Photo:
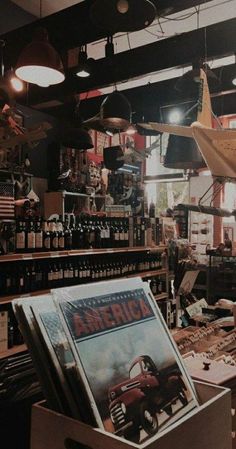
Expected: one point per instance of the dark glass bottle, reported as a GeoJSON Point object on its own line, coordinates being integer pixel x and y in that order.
{"type": "Point", "coordinates": [30, 236]}
{"type": "Point", "coordinates": [46, 236]}
{"type": "Point", "coordinates": [67, 235]}
{"type": "Point", "coordinates": [38, 236]}
{"type": "Point", "coordinates": [20, 244]}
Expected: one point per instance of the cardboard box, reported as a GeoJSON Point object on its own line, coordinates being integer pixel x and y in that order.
{"type": "Point", "coordinates": [206, 427]}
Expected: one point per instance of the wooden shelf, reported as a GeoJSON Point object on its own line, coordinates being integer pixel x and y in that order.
{"type": "Point", "coordinates": [142, 274]}
{"type": "Point", "coordinates": [15, 350]}
{"type": "Point", "coordinates": [74, 252]}
{"type": "Point", "coordinates": [145, 274]}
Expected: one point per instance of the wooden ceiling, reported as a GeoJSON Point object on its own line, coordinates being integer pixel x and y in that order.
{"type": "Point", "coordinates": [72, 27]}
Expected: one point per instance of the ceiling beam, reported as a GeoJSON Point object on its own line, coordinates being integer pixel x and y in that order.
{"type": "Point", "coordinates": [72, 27]}
{"type": "Point", "coordinates": [176, 51]}
{"type": "Point", "coordinates": [147, 100]}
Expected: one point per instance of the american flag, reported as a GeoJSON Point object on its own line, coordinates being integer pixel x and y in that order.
{"type": "Point", "coordinates": [7, 209]}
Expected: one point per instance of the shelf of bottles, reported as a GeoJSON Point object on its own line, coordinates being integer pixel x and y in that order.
{"type": "Point", "coordinates": [32, 276]}
{"type": "Point", "coordinates": [82, 233]}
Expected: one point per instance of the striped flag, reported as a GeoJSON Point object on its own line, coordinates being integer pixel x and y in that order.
{"type": "Point", "coordinates": [7, 209]}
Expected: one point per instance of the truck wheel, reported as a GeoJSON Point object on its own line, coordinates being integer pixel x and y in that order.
{"type": "Point", "coordinates": [132, 434]}
{"type": "Point", "coordinates": [148, 418]}
{"type": "Point", "coordinates": [183, 398]}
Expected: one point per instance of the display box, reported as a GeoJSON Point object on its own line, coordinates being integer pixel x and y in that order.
{"type": "Point", "coordinates": [207, 427]}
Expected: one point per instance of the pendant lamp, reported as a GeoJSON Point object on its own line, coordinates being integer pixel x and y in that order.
{"type": "Point", "coordinates": [122, 15]}
{"type": "Point", "coordinates": [114, 115]}
{"type": "Point", "coordinates": [77, 138]}
{"type": "Point", "coordinates": [188, 82]}
{"type": "Point", "coordinates": [112, 157]}
{"type": "Point", "coordinates": [183, 153]}
{"type": "Point", "coordinates": [39, 63]}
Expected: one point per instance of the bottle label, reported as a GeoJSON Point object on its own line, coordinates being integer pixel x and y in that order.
{"type": "Point", "coordinates": [38, 240]}
{"type": "Point", "coordinates": [55, 243]}
{"type": "Point", "coordinates": [50, 276]}
{"type": "Point", "coordinates": [31, 240]}
{"type": "Point", "coordinates": [20, 240]}
{"type": "Point", "coordinates": [47, 243]}
{"type": "Point", "coordinates": [61, 242]}
{"type": "Point", "coordinates": [122, 236]}
{"type": "Point", "coordinates": [21, 281]}
{"type": "Point", "coordinates": [117, 236]}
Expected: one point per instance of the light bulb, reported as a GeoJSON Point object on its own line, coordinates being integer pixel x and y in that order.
{"type": "Point", "coordinates": [234, 81]}
{"type": "Point", "coordinates": [175, 116]}
{"type": "Point", "coordinates": [83, 73]}
{"type": "Point", "coordinates": [122, 6]}
{"type": "Point", "coordinates": [17, 84]}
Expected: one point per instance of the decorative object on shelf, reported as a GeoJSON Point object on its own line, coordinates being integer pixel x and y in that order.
{"type": "Point", "coordinates": [39, 63]}
{"type": "Point", "coordinates": [122, 15]}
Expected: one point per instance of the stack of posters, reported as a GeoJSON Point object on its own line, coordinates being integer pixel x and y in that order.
{"type": "Point", "coordinates": [104, 355]}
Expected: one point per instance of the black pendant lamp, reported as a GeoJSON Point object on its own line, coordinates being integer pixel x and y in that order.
{"type": "Point", "coordinates": [77, 138]}
{"type": "Point", "coordinates": [183, 153]}
{"type": "Point", "coordinates": [188, 82]}
{"type": "Point", "coordinates": [122, 15]}
{"type": "Point", "coordinates": [112, 157]}
{"type": "Point", "coordinates": [114, 115]}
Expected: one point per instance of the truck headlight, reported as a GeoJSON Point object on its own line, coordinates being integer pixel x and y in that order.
{"type": "Point", "coordinates": [123, 407]}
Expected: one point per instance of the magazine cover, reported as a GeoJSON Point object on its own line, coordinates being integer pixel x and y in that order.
{"type": "Point", "coordinates": [131, 369]}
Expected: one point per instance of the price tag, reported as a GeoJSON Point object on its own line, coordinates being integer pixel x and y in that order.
{"type": "Point", "coordinates": [26, 295]}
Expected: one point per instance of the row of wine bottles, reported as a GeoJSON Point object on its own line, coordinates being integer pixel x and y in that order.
{"type": "Point", "coordinates": [84, 233]}
{"type": "Point", "coordinates": [33, 276]}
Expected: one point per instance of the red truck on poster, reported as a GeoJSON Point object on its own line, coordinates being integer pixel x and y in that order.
{"type": "Point", "coordinates": [135, 403]}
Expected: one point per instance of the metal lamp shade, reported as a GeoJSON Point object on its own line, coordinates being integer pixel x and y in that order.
{"type": "Point", "coordinates": [114, 115]}
{"type": "Point", "coordinates": [183, 153]}
{"type": "Point", "coordinates": [39, 63]}
{"type": "Point", "coordinates": [115, 111]}
{"type": "Point", "coordinates": [77, 138]}
{"type": "Point", "coordinates": [188, 82]}
{"type": "Point", "coordinates": [122, 15]}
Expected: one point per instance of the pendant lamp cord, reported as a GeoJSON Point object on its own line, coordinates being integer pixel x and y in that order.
{"type": "Point", "coordinates": [40, 9]}
{"type": "Point", "coordinates": [2, 45]}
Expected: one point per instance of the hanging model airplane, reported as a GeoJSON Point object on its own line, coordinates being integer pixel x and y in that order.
{"type": "Point", "coordinates": [12, 134]}
{"type": "Point", "coordinates": [132, 154]}
{"type": "Point", "coordinates": [217, 146]}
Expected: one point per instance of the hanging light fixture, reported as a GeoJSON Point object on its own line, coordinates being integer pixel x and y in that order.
{"type": "Point", "coordinates": [182, 152]}
{"type": "Point", "coordinates": [84, 68]}
{"type": "Point", "coordinates": [114, 115]}
{"type": "Point", "coordinates": [122, 15]}
{"type": "Point", "coordinates": [188, 82]}
{"type": "Point", "coordinates": [74, 135]}
{"type": "Point", "coordinates": [77, 138]}
{"type": "Point", "coordinates": [39, 63]}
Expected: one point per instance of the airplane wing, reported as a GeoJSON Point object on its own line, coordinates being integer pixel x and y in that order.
{"type": "Point", "coordinates": [27, 137]}
{"type": "Point", "coordinates": [218, 148]}
{"type": "Point", "coordinates": [184, 131]}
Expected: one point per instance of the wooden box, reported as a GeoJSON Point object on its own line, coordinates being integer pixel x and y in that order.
{"type": "Point", "coordinates": [206, 427]}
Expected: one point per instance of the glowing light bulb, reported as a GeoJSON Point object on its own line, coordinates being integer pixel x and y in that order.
{"type": "Point", "coordinates": [17, 84]}
{"type": "Point", "coordinates": [175, 116]}
{"type": "Point", "coordinates": [122, 6]}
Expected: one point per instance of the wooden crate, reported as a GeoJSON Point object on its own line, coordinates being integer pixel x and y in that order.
{"type": "Point", "coordinates": [206, 427]}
